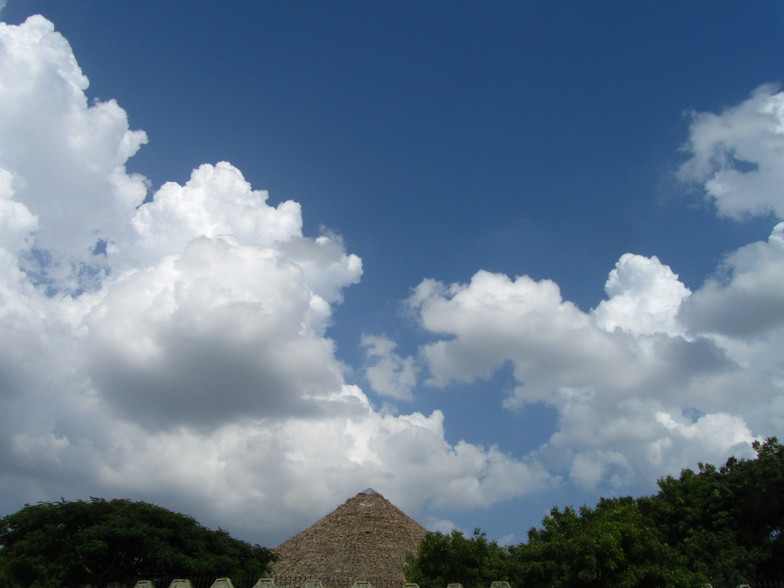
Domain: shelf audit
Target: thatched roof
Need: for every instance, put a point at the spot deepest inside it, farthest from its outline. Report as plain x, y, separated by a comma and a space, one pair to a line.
365, 538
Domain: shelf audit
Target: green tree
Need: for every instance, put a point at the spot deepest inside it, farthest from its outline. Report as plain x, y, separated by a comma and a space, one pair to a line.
727, 521
724, 525
610, 545
98, 541
443, 559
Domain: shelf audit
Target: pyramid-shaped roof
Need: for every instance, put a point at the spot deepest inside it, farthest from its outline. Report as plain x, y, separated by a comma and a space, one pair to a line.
366, 538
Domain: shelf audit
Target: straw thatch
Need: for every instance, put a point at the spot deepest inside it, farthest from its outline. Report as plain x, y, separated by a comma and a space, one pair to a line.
366, 538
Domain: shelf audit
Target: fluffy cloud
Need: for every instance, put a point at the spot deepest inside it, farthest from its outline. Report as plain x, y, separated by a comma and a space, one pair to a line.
67, 164
390, 374
215, 201
655, 377
218, 331
184, 336
630, 405
750, 283
738, 155
611, 382
644, 297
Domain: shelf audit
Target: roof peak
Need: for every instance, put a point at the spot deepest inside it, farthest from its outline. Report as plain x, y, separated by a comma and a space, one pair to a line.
365, 537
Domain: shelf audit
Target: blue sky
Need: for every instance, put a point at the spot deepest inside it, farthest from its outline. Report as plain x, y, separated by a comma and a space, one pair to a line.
512, 255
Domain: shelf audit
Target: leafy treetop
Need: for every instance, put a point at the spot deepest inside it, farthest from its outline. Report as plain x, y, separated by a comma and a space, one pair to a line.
723, 525
100, 541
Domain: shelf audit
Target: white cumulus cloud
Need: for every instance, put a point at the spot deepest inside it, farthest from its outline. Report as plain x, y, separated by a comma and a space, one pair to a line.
389, 374
67, 164
175, 348
738, 155
656, 377
644, 297
751, 284
647, 382
607, 386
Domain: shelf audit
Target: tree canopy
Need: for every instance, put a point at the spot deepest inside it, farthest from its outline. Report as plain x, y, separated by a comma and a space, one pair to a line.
444, 559
729, 520
720, 525
610, 545
100, 541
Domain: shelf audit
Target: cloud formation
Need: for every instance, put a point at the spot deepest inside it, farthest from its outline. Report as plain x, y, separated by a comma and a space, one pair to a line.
750, 283
656, 376
389, 374
173, 344
174, 347
738, 155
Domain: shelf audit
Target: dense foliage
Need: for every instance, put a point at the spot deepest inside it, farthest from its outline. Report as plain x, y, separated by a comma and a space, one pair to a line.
96, 542
610, 545
444, 559
723, 525
727, 521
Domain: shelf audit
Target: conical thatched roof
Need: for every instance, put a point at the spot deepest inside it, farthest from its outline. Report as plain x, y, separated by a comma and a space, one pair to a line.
366, 538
